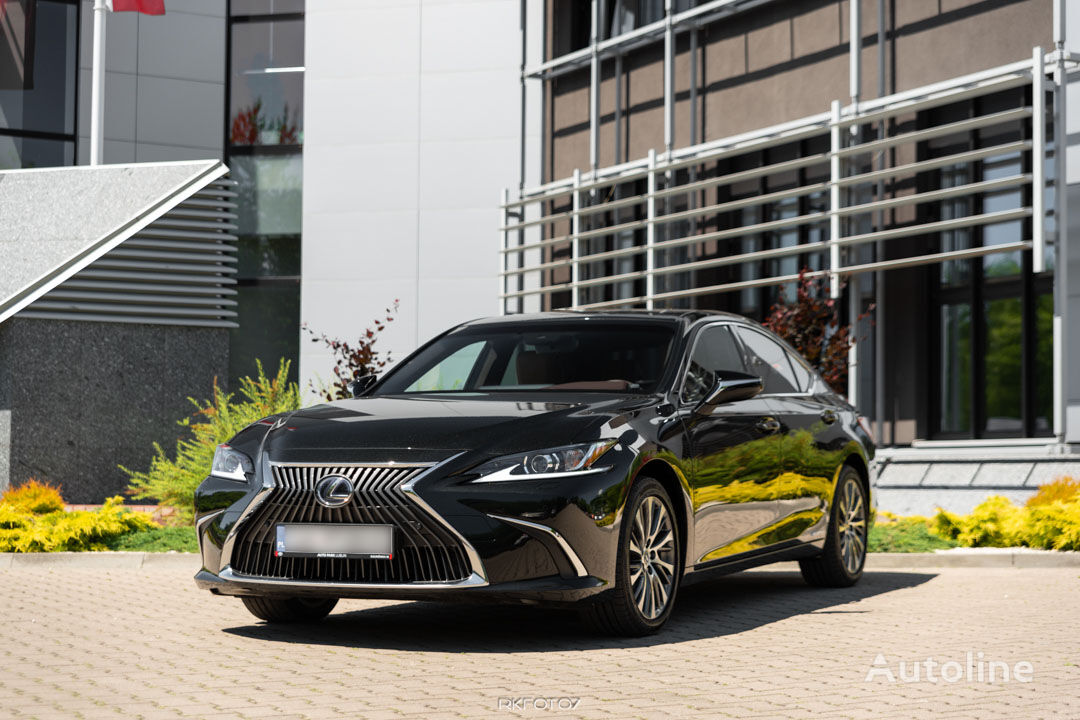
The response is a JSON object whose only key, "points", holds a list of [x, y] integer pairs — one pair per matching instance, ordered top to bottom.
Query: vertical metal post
{"points": [[855, 56], [669, 80], [97, 86], [693, 86], [594, 90], [618, 108], [1038, 162], [834, 201], [650, 232], [575, 242], [504, 257], [879, 276], [853, 351], [1062, 361]]}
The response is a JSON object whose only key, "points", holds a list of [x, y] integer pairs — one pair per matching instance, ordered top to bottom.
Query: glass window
{"points": [[265, 7], [37, 66], [267, 88], [23, 152], [269, 188], [268, 315], [715, 353], [600, 358], [768, 360], [955, 368], [452, 372], [1004, 373], [803, 377]]}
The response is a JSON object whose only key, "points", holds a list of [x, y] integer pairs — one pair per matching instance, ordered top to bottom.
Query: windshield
{"points": [[596, 357]]}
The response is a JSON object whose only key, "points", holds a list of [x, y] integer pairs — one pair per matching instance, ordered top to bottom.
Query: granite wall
{"points": [[79, 398]]}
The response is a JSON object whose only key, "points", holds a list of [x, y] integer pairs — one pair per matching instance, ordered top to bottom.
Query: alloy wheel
{"points": [[852, 527], [652, 557]]}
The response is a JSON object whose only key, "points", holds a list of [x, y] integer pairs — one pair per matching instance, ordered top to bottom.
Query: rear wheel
{"points": [[841, 562], [647, 567], [289, 610]]}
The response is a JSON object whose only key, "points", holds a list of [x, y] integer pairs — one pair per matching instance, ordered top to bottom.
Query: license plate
{"points": [[335, 541]]}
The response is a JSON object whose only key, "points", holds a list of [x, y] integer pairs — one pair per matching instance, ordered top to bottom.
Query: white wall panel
{"points": [[413, 112]]}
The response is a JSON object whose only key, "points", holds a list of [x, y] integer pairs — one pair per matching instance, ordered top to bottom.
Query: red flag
{"points": [[146, 7]]}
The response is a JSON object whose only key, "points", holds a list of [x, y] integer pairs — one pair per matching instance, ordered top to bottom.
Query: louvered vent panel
{"points": [[177, 271]]}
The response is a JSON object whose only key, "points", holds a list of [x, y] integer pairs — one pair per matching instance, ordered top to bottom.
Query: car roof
{"points": [[682, 317]]}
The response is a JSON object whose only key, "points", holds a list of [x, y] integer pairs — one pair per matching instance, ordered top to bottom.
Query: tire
{"points": [[841, 562], [630, 609], [289, 610]]}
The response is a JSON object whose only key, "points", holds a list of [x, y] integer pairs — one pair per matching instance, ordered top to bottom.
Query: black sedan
{"points": [[592, 459]]}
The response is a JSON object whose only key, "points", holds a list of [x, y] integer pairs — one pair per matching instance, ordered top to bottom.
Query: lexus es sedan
{"points": [[590, 459]]}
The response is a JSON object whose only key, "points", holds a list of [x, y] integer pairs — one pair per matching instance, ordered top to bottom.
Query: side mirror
{"points": [[361, 384], [730, 388]]}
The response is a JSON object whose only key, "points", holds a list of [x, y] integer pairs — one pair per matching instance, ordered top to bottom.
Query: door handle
{"points": [[828, 416], [768, 425]]}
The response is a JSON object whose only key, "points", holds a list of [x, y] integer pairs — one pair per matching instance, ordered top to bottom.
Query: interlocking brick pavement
{"points": [[145, 643]]}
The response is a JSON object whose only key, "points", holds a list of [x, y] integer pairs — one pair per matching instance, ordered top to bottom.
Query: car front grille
{"points": [[426, 551]]}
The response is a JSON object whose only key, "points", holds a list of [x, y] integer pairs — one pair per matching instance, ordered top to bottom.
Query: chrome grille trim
{"points": [[432, 552]]}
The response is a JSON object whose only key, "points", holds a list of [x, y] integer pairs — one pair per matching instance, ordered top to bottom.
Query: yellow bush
{"points": [[1063, 489], [34, 497], [997, 522], [1054, 526], [60, 531]]}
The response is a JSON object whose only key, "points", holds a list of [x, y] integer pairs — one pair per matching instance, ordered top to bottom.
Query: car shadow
{"points": [[725, 606]]}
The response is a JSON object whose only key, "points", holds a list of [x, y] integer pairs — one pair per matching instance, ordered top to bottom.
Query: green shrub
{"points": [[172, 480], [33, 497], [22, 531], [904, 534], [163, 539]]}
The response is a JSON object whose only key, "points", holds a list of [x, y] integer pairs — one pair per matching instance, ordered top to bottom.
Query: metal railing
{"points": [[553, 236]]}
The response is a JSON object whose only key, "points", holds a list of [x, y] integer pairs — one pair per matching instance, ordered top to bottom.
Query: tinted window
{"points": [[715, 353], [582, 357], [768, 360], [802, 374]]}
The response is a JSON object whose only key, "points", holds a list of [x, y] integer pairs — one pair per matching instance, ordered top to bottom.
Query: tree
{"points": [[811, 324]]}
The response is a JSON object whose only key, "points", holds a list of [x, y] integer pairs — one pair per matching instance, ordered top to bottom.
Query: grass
{"points": [[905, 535], [164, 539]]}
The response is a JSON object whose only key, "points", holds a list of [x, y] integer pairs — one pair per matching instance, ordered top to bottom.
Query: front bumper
{"points": [[542, 540]]}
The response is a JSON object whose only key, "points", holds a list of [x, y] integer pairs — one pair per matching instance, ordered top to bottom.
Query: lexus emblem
{"points": [[334, 491]]}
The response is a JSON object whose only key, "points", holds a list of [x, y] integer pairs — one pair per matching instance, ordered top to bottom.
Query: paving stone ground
{"points": [[124, 643]]}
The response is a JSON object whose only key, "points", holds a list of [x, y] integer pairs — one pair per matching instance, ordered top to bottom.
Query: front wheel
{"points": [[841, 562], [647, 567], [289, 610]]}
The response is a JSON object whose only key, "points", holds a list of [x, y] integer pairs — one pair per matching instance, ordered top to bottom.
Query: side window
{"points": [[715, 353], [769, 361], [452, 373], [802, 374]]}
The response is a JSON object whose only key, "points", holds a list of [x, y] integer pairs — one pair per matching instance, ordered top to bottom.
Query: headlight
{"points": [[551, 463], [231, 464]]}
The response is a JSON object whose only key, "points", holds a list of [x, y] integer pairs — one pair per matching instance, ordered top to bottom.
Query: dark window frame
{"points": [[975, 293]]}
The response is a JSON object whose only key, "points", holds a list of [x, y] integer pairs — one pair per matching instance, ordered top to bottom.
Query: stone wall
{"points": [[79, 398]]}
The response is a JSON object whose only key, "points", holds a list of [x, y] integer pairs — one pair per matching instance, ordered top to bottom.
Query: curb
{"points": [[976, 558], [102, 560]]}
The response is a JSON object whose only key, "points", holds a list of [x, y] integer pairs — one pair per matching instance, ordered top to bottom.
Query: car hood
{"points": [[429, 428]]}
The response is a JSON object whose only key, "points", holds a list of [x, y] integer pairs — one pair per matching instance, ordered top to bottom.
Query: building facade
{"points": [[702, 153]]}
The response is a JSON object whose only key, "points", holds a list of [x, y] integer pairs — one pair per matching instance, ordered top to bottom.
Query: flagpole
{"points": [[97, 85]]}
